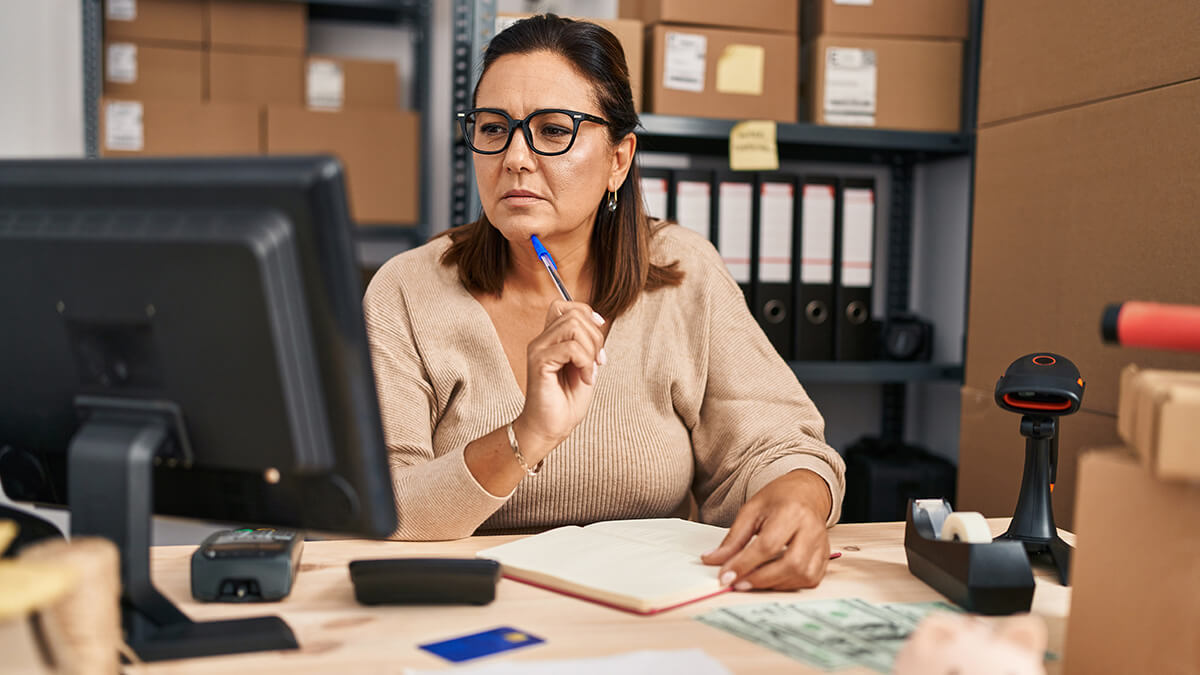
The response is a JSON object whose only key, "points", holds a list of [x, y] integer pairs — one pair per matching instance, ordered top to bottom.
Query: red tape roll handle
{"points": [[1153, 325]]}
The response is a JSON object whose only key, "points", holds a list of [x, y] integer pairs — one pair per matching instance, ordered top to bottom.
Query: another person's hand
{"points": [[561, 368], [778, 540]]}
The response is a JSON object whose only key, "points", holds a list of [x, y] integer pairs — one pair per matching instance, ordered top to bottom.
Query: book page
{"points": [[680, 535], [638, 574]]}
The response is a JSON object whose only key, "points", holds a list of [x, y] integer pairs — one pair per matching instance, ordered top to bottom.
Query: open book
{"points": [[641, 566]]}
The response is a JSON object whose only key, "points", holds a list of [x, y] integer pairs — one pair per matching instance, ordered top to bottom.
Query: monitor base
{"points": [[110, 491]]}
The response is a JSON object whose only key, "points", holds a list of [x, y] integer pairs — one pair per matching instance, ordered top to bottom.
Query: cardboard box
{"points": [[777, 16], [887, 18], [170, 21], [249, 25], [629, 32], [1038, 56], [138, 71], [706, 72], [245, 77], [333, 82], [884, 83], [152, 127], [379, 148], [1074, 210], [1158, 415], [991, 455], [1135, 573]]}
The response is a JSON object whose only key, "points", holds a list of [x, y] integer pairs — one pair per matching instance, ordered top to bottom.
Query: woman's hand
{"points": [[562, 364], [778, 540]]}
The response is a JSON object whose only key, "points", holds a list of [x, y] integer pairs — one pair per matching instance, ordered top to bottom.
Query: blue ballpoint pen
{"points": [[544, 256]]}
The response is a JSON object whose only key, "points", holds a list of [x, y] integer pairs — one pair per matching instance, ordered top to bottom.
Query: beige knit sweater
{"points": [[693, 399]]}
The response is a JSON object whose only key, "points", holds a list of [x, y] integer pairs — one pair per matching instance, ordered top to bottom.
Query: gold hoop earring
{"points": [[612, 201]]}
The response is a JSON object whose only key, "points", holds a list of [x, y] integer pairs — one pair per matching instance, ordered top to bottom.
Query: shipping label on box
{"points": [[120, 10], [120, 61], [684, 67], [325, 84], [850, 85], [123, 130]]}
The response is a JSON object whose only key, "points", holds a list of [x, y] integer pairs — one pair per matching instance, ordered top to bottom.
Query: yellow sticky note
{"points": [[740, 70], [752, 146]]}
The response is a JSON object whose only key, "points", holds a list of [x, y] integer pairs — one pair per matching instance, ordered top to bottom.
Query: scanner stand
{"points": [[1033, 519], [988, 578]]}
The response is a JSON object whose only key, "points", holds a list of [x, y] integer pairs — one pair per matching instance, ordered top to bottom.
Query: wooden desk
{"points": [[339, 636]]}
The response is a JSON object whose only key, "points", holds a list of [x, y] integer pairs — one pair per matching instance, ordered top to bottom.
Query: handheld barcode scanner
{"points": [[1041, 387]]}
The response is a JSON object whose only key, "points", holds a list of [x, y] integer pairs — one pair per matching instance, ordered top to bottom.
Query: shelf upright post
{"points": [[93, 43], [899, 280]]}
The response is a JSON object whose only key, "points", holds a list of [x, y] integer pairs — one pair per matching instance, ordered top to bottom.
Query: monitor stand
{"points": [[111, 494]]}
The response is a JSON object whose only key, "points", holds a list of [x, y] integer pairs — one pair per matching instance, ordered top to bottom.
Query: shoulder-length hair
{"points": [[620, 244]]}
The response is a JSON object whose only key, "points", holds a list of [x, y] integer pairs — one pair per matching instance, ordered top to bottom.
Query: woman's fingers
{"points": [[572, 321], [802, 565]]}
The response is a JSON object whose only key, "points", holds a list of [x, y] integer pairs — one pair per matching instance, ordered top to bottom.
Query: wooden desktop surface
{"points": [[337, 635]]}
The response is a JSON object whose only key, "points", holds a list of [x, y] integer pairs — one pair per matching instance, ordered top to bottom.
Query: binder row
{"points": [[800, 247]]}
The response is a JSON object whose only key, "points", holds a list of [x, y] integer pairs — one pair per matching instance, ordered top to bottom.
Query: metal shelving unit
{"points": [[900, 151], [375, 243]]}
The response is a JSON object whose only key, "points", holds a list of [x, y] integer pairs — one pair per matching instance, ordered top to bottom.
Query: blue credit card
{"points": [[476, 645]]}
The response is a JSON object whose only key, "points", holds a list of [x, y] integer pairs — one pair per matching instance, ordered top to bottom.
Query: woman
{"points": [[506, 407]]}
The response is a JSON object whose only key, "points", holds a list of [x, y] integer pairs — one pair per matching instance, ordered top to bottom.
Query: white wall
{"points": [[41, 82]]}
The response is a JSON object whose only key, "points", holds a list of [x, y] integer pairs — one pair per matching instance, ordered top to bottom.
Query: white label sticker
{"points": [[864, 3], [120, 10], [121, 63], [684, 68], [326, 84], [850, 86], [123, 126], [654, 192], [693, 208], [733, 229], [858, 236], [816, 239], [775, 242]]}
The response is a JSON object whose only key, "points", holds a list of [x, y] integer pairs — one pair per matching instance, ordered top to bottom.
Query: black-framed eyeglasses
{"points": [[548, 132]]}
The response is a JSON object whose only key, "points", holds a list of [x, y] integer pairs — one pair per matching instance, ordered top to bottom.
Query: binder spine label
{"points": [[849, 96], [654, 193], [692, 207], [734, 230], [858, 241], [775, 243], [816, 243]]}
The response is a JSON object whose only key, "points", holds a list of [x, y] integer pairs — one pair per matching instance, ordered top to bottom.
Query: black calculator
{"points": [[246, 565]]}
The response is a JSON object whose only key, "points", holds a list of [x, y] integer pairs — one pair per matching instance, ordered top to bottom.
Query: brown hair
{"points": [[620, 245]]}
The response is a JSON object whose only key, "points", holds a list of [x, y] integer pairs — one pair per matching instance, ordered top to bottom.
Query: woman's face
{"points": [[524, 193]]}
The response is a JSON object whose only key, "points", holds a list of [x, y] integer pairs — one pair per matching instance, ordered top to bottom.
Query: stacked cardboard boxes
{"points": [[712, 58], [894, 64], [231, 77], [1080, 200], [1134, 606]]}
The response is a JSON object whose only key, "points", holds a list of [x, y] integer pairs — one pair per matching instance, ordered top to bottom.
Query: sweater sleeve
{"points": [[755, 421], [436, 497]]}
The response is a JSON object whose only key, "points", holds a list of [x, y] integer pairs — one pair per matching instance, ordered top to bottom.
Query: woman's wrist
{"points": [[534, 446], [815, 490]]}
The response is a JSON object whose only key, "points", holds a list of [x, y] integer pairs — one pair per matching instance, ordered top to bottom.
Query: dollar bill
{"points": [[828, 634]]}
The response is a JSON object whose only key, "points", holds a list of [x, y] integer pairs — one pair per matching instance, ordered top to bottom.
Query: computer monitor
{"points": [[185, 337]]}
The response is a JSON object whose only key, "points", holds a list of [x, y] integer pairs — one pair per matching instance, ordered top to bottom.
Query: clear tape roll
{"points": [[967, 526]]}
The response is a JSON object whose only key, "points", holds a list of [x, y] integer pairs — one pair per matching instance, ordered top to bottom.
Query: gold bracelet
{"points": [[512, 442]]}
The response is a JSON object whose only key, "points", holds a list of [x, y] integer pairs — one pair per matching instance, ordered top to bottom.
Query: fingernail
{"points": [[597, 318], [603, 357], [705, 555], [728, 578], [742, 586]]}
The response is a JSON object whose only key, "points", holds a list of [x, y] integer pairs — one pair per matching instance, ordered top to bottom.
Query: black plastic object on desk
{"points": [[246, 565], [988, 578], [425, 581]]}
